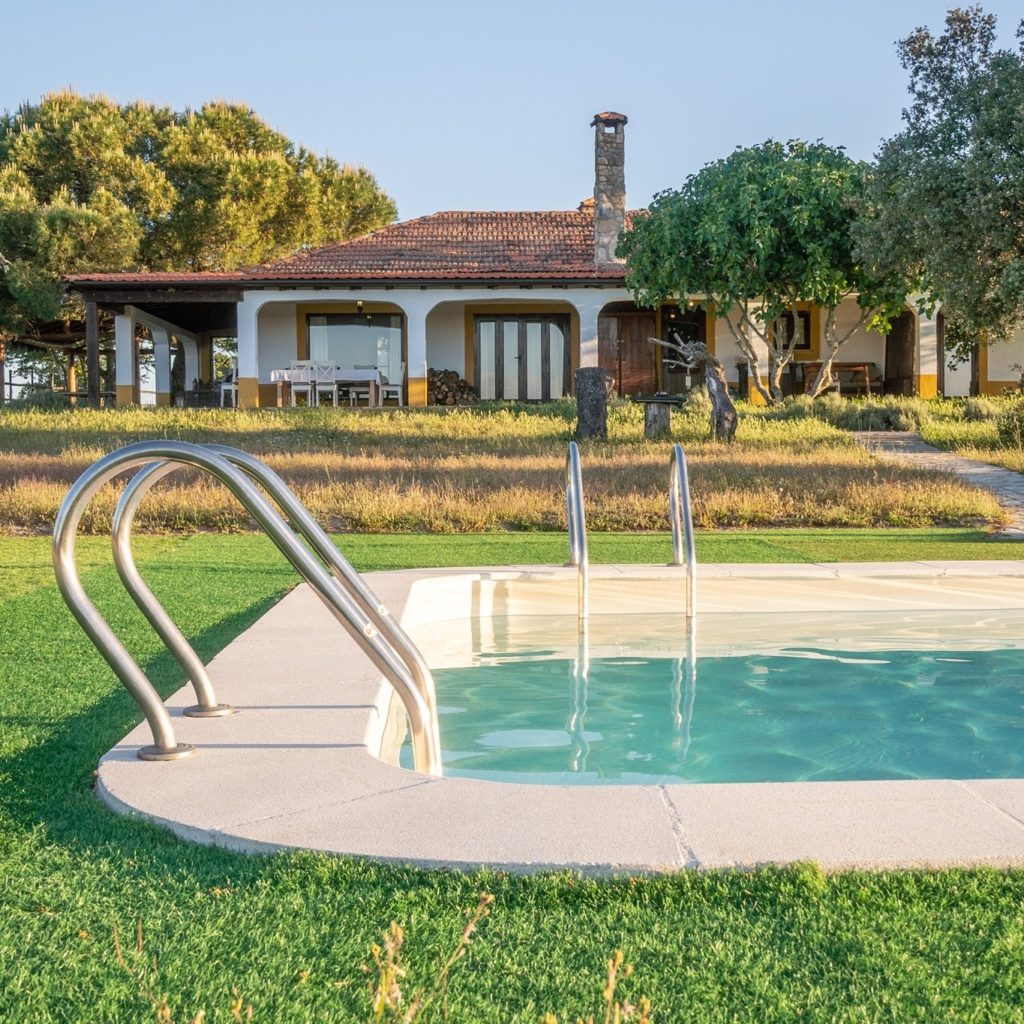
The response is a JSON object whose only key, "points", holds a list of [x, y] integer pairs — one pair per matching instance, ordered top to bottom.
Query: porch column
{"points": [[589, 309], [191, 352], [248, 352], [416, 352], [92, 354], [126, 356], [162, 364], [926, 369]]}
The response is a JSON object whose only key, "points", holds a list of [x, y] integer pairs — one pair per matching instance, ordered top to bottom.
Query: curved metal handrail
{"points": [[680, 515], [302, 522], [577, 523], [174, 640], [423, 720]]}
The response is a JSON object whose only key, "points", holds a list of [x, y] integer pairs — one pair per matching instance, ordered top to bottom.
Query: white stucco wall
{"points": [[446, 337], [278, 344], [864, 345], [1002, 356], [958, 380]]}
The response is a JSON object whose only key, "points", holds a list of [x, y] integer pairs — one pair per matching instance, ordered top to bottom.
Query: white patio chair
{"points": [[301, 379], [324, 382], [229, 385], [393, 390]]}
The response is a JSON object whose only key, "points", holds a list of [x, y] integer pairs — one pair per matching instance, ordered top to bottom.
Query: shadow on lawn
{"points": [[51, 782]]}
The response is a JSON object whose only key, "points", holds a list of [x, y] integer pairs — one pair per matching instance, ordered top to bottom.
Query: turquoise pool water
{"points": [[800, 712]]}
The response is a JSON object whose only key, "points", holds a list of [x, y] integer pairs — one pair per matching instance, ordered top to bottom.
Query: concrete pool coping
{"points": [[296, 768]]}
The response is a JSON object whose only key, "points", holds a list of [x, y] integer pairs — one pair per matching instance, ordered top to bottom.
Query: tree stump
{"points": [[591, 403], [657, 419]]}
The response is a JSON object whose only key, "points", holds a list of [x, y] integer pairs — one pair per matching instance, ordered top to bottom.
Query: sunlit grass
{"points": [[481, 470]]}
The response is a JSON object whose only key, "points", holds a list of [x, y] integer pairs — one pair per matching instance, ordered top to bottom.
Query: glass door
{"points": [[521, 358]]}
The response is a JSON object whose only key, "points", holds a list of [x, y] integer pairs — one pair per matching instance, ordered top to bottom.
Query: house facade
{"points": [[512, 301]]}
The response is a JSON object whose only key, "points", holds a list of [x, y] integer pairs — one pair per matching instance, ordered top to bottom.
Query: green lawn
{"points": [[289, 934]]}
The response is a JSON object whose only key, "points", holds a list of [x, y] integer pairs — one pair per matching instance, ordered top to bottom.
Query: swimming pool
{"points": [[870, 695], [311, 759]]}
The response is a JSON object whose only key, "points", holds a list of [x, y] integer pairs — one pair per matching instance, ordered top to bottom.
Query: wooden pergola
{"points": [[192, 312]]}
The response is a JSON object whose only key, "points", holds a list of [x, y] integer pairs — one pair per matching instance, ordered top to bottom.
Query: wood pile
{"points": [[446, 387]]}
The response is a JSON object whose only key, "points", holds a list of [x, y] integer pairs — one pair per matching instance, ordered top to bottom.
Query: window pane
{"points": [[510, 331], [318, 338], [557, 350], [486, 358], [533, 361]]}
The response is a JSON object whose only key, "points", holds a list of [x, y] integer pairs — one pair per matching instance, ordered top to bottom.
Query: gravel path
{"points": [[908, 448]]}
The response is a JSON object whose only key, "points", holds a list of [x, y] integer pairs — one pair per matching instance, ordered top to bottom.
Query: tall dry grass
{"points": [[480, 470]]}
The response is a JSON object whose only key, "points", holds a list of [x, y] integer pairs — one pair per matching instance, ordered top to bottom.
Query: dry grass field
{"points": [[481, 470]]}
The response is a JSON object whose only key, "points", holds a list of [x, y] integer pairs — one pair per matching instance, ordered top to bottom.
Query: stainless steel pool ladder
{"points": [[681, 517], [577, 523], [342, 590]]}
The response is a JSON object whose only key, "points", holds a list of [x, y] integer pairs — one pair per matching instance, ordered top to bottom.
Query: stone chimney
{"points": [[609, 185]]}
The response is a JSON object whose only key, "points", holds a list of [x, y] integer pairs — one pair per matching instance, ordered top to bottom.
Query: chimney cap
{"points": [[609, 117]]}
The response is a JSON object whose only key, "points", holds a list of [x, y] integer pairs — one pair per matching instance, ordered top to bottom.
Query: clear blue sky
{"points": [[487, 105]]}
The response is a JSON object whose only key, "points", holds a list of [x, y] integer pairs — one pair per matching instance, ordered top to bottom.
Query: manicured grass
{"points": [[289, 934]]}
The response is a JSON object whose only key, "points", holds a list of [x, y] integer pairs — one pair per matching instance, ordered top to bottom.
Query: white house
{"points": [[513, 301]]}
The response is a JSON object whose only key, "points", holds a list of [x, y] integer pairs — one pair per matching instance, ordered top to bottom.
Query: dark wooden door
{"points": [[625, 352], [899, 355]]}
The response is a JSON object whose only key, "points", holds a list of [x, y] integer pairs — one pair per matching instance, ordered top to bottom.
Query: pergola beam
{"points": [[159, 295], [158, 323]]}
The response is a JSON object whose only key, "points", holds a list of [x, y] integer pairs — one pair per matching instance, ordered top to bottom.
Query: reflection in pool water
{"points": [[933, 708]]}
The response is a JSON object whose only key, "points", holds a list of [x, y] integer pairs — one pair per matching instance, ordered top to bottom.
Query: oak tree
{"points": [[757, 236]]}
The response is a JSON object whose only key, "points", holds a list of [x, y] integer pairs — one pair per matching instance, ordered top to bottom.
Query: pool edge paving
{"points": [[296, 768]]}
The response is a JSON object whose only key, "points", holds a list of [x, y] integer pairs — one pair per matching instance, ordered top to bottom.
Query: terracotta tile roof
{"points": [[459, 245], [449, 246]]}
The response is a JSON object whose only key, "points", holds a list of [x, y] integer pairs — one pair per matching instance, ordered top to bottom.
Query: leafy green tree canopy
{"points": [[87, 184], [948, 196], [756, 235]]}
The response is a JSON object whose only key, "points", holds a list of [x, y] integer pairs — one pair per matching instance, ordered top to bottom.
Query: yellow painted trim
{"points": [[528, 308], [307, 309], [926, 385], [417, 388], [248, 393], [125, 394], [753, 395], [268, 396], [163, 398]]}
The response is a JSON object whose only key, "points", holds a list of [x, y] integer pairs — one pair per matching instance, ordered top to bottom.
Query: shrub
{"points": [[43, 399], [697, 403], [979, 408], [868, 414], [1010, 426]]}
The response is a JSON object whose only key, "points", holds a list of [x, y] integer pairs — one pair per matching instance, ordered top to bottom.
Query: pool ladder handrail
{"points": [[681, 517], [301, 521], [577, 524], [342, 599]]}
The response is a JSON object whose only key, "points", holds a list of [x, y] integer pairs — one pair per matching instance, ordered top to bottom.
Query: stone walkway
{"points": [[908, 448]]}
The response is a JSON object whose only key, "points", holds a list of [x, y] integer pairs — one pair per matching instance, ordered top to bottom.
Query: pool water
{"points": [[804, 712]]}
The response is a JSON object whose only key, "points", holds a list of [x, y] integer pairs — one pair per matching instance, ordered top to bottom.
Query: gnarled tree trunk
{"points": [[724, 417]]}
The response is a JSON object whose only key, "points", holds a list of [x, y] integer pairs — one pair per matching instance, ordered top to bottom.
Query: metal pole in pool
{"points": [[681, 517], [577, 524]]}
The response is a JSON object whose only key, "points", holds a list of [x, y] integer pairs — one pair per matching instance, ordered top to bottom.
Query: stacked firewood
{"points": [[446, 387]]}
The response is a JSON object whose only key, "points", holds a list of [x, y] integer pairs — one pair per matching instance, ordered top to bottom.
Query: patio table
{"points": [[342, 375]]}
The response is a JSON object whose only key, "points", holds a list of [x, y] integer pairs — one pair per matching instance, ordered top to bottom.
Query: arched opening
{"points": [[900, 350]]}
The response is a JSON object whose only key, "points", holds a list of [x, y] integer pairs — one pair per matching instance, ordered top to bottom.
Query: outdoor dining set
{"points": [[322, 382]]}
